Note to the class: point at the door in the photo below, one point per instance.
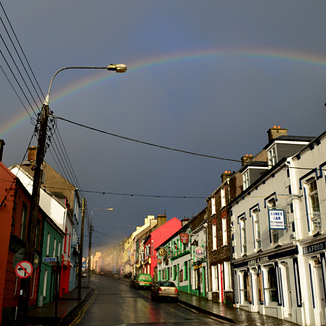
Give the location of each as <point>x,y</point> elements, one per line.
<point>319,287</point>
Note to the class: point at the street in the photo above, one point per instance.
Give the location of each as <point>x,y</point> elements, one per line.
<point>115,303</point>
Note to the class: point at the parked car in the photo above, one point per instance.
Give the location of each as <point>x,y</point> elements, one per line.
<point>164,289</point>
<point>141,281</point>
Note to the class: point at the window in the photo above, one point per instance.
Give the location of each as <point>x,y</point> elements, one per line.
<point>223,199</point>
<point>245,179</point>
<point>59,250</point>
<point>224,232</point>
<point>23,222</point>
<point>255,219</point>
<point>271,285</point>
<point>227,276</point>
<point>272,157</point>
<point>185,268</point>
<point>244,287</point>
<point>214,278</point>
<point>275,234</point>
<point>48,245</point>
<point>54,247</point>
<point>313,204</point>
<point>213,204</point>
<point>243,236</point>
<point>214,236</point>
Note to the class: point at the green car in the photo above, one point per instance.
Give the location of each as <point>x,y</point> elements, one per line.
<point>143,281</point>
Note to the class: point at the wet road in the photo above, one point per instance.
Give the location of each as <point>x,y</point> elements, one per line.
<point>115,303</point>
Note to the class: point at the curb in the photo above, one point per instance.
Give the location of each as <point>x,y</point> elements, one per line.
<point>206,312</point>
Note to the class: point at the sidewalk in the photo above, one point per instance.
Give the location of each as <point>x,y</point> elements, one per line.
<point>52,313</point>
<point>229,314</point>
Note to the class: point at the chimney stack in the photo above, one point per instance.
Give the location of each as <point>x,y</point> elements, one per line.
<point>225,175</point>
<point>32,153</point>
<point>185,220</point>
<point>275,132</point>
<point>246,159</point>
<point>161,219</point>
<point>2,145</point>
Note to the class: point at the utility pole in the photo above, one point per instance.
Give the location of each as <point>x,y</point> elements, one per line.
<point>80,263</point>
<point>32,221</point>
<point>89,255</point>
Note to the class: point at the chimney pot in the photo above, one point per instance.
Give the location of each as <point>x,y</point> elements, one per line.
<point>275,132</point>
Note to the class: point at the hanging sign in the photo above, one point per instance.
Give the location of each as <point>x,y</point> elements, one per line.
<point>200,252</point>
<point>276,219</point>
<point>162,252</point>
<point>184,238</point>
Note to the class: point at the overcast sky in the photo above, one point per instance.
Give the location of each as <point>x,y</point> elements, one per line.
<point>207,77</point>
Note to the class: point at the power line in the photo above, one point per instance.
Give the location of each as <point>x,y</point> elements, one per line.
<point>146,143</point>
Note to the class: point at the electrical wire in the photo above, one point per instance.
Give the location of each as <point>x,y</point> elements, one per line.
<point>146,143</point>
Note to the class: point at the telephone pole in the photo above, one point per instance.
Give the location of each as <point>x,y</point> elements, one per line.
<point>80,262</point>
<point>32,221</point>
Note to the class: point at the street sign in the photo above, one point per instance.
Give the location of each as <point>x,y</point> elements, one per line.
<point>24,269</point>
<point>49,259</point>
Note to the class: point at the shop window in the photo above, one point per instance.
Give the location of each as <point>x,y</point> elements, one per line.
<point>215,279</point>
<point>271,285</point>
<point>245,290</point>
<point>227,276</point>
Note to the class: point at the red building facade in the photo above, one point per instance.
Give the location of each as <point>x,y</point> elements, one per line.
<point>14,212</point>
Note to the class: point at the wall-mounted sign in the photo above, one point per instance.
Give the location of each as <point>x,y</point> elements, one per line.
<point>276,219</point>
<point>184,237</point>
<point>162,252</point>
<point>159,261</point>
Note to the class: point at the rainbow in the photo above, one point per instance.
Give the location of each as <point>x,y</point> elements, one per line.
<point>284,55</point>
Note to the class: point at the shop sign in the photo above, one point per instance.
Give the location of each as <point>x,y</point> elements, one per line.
<point>200,252</point>
<point>159,261</point>
<point>197,266</point>
<point>276,219</point>
<point>314,248</point>
<point>184,237</point>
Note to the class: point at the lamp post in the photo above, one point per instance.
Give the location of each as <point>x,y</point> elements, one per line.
<point>90,232</point>
<point>32,221</point>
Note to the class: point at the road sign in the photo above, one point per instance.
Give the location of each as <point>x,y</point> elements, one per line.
<point>49,259</point>
<point>24,269</point>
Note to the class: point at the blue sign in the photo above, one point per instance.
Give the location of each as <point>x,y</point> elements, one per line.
<point>49,259</point>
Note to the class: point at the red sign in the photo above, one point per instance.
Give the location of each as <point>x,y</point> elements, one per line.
<point>184,237</point>
<point>24,269</point>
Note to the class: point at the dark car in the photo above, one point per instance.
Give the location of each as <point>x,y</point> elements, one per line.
<point>141,281</point>
<point>164,289</point>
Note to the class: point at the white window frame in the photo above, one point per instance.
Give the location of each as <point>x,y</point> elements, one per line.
<point>312,199</point>
<point>275,234</point>
<point>272,157</point>
<point>227,276</point>
<point>256,225</point>
<point>213,204</point>
<point>223,198</point>
<point>245,179</point>
<point>54,247</point>
<point>215,278</point>
<point>243,235</point>
<point>48,244</point>
<point>214,236</point>
<point>224,231</point>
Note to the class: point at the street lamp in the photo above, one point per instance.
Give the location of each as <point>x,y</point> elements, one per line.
<point>32,221</point>
<point>90,241</point>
